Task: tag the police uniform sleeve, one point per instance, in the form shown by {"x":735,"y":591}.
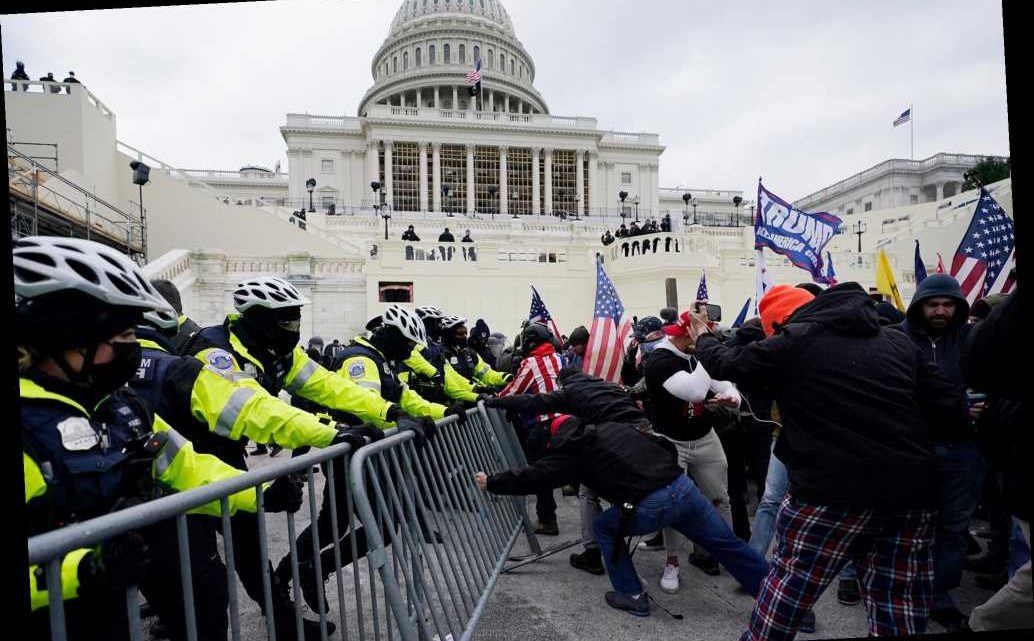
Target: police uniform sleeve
{"x":178,"y":467}
{"x":419,"y":364}
{"x":234,"y":410}
{"x":312,"y":381}
{"x":489,"y":376}
{"x":457,"y":387}
{"x":35,"y":489}
{"x":362,"y":370}
{"x":415,"y":405}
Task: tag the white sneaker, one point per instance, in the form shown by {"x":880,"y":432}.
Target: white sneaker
{"x":670,"y":580}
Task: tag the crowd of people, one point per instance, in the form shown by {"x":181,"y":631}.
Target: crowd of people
{"x":635,"y":229}
{"x":878,"y":440}
{"x":19,"y":73}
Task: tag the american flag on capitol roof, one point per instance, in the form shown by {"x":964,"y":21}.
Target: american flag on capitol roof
{"x":608,"y":334}
{"x":984,"y":262}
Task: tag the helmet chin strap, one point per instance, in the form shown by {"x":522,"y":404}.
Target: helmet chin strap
{"x":82,"y":377}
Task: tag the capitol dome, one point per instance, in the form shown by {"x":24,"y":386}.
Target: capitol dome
{"x":430,"y":48}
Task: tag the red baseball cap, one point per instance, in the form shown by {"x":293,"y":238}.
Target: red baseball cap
{"x":554,"y":426}
{"x":679,"y":327}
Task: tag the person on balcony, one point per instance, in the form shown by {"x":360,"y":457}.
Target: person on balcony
{"x":410,"y":234}
{"x":19,"y":74}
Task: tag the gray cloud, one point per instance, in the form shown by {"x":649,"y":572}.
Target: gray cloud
{"x":802,"y":93}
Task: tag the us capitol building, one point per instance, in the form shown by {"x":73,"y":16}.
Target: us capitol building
{"x":536,"y":190}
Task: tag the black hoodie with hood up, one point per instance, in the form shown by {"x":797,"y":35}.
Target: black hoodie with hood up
{"x":944,"y":349}
{"x":858,"y":402}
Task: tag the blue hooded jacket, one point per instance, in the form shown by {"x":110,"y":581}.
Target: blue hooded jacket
{"x":944,"y":349}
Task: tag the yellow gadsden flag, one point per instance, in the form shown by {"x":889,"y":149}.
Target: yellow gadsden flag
{"x":885,"y":282}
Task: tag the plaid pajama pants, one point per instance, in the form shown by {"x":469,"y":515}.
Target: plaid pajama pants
{"x":890,"y":548}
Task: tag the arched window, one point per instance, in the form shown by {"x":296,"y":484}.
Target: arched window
{"x":477,"y":52}
{"x":502,"y":63}
{"x":491,"y":59}
{"x":511,"y":66}
{"x":395,"y":64}
{"x":463,"y":54}
{"x":448,"y":53}
{"x":419,"y":60}
{"x":405,"y":60}
{"x":430,"y":55}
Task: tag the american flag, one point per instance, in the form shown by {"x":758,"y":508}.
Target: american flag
{"x":539,"y":313}
{"x":702,"y":288}
{"x":905,"y":116}
{"x":607,"y":334}
{"x":474,"y":76}
{"x":831,"y":274}
{"x":984,"y":261}
{"x":940,"y":263}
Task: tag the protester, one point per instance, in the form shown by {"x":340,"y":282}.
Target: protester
{"x":636,"y":471}
{"x":19,"y":74}
{"x":936,"y":321}
{"x":577,"y":344}
{"x":410,"y":234}
{"x":878,"y":415}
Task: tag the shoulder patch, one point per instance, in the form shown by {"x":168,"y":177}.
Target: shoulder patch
{"x":357,"y":369}
{"x":77,"y":434}
{"x":220,"y":359}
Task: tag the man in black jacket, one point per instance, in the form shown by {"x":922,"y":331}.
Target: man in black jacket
{"x":595,"y":401}
{"x":634,"y":470}
{"x":936,"y":323}
{"x":858,"y":403}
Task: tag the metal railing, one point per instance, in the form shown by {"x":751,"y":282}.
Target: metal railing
{"x":434,"y":544}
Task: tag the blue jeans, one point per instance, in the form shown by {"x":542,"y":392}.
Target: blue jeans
{"x":960,"y":478}
{"x":682,"y":506}
{"x":777,"y":483}
{"x":1019,"y":548}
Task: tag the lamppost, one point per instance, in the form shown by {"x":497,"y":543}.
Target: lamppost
{"x":446,"y":190}
{"x":622,"y":195}
{"x":736,"y":200}
{"x":492,"y":193}
{"x":141,"y":173}
{"x":310,"y":184}
{"x":859,"y":228}
{"x":686,"y":197}
{"x":379,"y":207}
{"x":514,"y":200}
{"x":635,"y":202}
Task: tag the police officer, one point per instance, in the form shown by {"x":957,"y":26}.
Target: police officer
{"x":428,"y":372}
{"x":372,"y":363}
{"x":208,"y":409}
{"x":91,"y":445}
{"x":258,"y":346}
{"x":465,"y":360}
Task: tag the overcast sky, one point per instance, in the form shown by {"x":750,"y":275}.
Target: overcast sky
{"x":802,"y":93}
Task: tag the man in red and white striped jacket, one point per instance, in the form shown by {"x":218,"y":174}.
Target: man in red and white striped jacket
{"x":537,"y":374}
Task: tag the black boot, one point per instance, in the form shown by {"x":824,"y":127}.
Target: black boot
{"x":285,"y":628}
{"x":310,"y":589}
{"x":591,"y":561}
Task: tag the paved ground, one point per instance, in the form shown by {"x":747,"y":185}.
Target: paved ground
{"x":551,"y":601}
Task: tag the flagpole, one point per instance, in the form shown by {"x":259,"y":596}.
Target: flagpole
{"x":912,"y":130}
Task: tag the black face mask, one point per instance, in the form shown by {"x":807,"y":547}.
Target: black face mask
{"x":279,"y":331}
{"x":390,"y":342}
{"x":110,"y":376}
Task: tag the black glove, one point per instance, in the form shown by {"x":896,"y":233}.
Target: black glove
{"x":357,"y":436}
{"x":424,"y":428}
{"x":284,"y":495}
{"x":458,"y":410}
{"x":118,"y":563}
{"x":485,"y":398}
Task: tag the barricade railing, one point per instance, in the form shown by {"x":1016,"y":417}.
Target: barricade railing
{"x":416,"y":547}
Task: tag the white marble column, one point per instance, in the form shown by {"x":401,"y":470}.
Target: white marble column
{"x":437,"y":102}
{"x":344,"y":178}
{"x":506,"y":103}
{"x":549,"y":181}
{"x":455,"y":98}
{"x":491,"y":100}
{"x":389,"y":192}
{"x":520,"y":106}
{"x":436,"y":179}
{"x":504,"y":207}
{"x":940,"y":191}
{"x":372,"y":162}
{"x":419,"y":99}
{"x":423,"y":176}
{"x":470,"y":179}
{"x":579,"y":180}
{"x":536,"y":207}
{"x":593,"y":181}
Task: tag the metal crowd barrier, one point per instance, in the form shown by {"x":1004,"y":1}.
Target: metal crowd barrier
{"x":436,"y":544}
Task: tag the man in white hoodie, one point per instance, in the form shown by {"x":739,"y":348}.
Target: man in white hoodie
{"x":686,"y":404}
